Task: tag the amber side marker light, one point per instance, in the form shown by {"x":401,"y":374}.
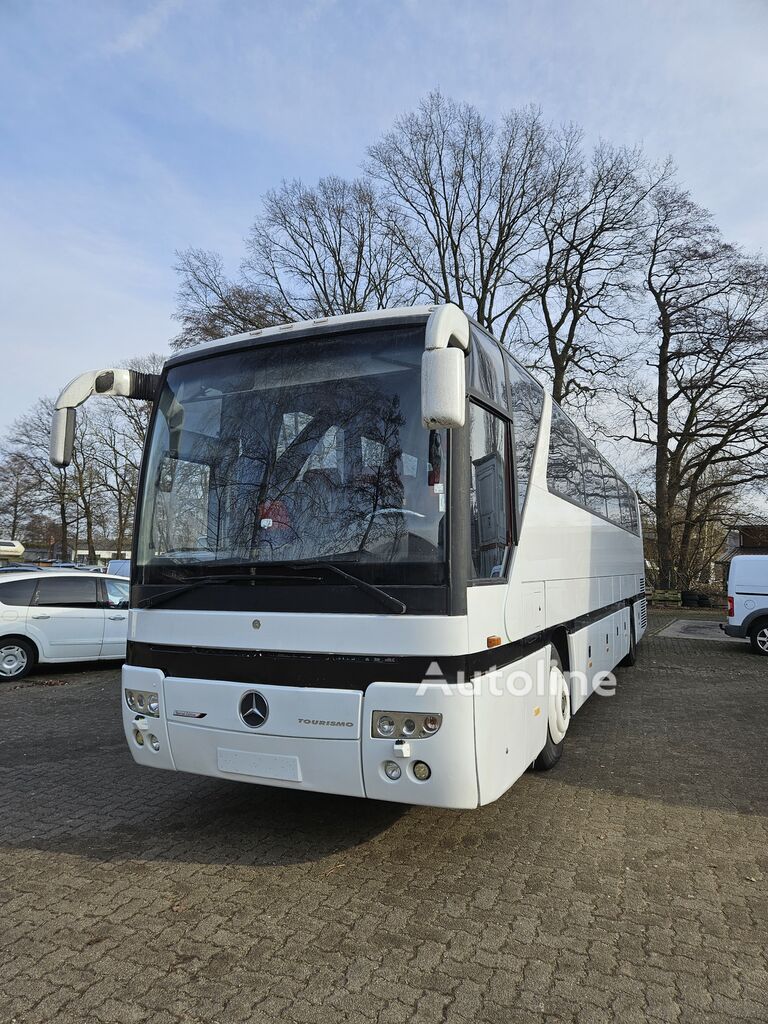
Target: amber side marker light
{"x":493,"y":641}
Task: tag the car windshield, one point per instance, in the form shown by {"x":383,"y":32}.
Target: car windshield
{"x":296,"y":451}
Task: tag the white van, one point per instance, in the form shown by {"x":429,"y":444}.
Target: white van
{"x":748,"y":600}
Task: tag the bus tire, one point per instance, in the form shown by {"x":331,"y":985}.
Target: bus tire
{"x":559,"y":716}
{"x":630,"y":657}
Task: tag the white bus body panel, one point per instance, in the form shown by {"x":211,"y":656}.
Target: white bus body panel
{"x":450,"y":753}
{"x":377,"y":635}
{"x":510,"y":722}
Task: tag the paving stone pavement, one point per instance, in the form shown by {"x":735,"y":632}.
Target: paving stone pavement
{"x":627,"y":885}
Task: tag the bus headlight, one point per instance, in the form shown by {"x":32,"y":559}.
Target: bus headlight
{"x":147,"y":702}
{"x":385,"y":726}
{"x":404,"y":724}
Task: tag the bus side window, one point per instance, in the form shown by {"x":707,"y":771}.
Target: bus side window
{"x":593,"y":479}
{"x":612,"y":494}
{"x":486,"y":368}
{"x":565,"y":475}
{"x":489,"y":522}
{"x":526,"y":401}
{"x":627,"y":506}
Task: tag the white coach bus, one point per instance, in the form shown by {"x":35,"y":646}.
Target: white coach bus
{"x":372,"y":557}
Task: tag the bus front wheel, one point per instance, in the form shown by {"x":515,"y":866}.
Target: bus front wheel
{"x":559,"y":716}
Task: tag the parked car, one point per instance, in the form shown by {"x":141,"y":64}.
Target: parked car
{"x":59,"y":616}
{"x":748,"y":600}
{"x":119,"y":567}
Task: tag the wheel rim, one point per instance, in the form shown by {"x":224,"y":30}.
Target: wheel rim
{"x":559,"y":705}
{"x":13,"y":660}
{"x":762,"y":639}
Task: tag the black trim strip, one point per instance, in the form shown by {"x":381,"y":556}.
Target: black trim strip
{"x":343,"y":671}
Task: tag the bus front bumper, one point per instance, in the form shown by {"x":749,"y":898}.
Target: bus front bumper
{"x":313,"y":739}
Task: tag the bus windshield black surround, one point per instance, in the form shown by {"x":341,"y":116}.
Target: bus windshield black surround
{"x":266,"y":456}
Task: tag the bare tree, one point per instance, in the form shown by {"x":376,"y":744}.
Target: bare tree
{"x":591,"y":228}
{"x":18,"y":487}
{"x":54,"y":492}
{"x":325,"y":251}
{"x":211,"y":306}
{"x":702,"y":406}
{"x":468,"y":194}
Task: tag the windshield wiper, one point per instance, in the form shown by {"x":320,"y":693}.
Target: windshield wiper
{"x":370,"y":588}
{"x":202,"y":581}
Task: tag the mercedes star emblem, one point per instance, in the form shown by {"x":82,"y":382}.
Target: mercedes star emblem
{"x":254,"y":709}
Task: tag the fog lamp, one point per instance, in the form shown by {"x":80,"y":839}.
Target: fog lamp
{"x":421,"y":771}
{"x":138,"y":737}
{"x":392,"y":770}
{"x":154,"y":742}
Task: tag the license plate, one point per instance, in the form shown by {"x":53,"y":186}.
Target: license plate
{"x":261,"y":766}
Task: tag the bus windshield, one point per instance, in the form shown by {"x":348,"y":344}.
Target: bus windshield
{"x":293,"y":452}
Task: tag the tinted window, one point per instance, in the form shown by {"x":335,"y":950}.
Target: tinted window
{"x":67,"y":591}
{"x":594,"y":488}
{"x":18,"y":593}
{"x":612,"y":494}
{"x":564,"y":472}
{"x":304,"y":450}
{"x":486,"y":367}
{"x":117,"y":593}
{"x":526,"y":400}
{"x":628,"y":508}
{"x":487,"y":493}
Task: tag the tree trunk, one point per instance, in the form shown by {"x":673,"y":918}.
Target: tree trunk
{"x":663,"y":502}
{"x":64,"y":524}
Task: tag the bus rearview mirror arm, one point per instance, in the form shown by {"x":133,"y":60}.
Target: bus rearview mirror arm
{"x":443,"y":383}
{"x":140,"y":387}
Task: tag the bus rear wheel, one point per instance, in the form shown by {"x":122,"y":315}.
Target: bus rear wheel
{"x":558,"y":719}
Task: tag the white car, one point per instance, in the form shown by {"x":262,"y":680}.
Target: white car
{"x":58,"y":616}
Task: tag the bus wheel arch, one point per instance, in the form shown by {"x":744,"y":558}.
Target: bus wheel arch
{"x":560,"y":650}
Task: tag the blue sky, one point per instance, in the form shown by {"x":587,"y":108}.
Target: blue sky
{"x":131,"y":129}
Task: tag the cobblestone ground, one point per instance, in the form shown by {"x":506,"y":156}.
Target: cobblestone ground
{"x":629,"y":884}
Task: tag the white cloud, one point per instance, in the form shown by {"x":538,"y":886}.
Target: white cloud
{"x":143,"y":29}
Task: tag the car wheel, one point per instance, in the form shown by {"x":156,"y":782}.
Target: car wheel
{"x":17,"y":657}
{"x":758,"y":636}
{"x":559,"y":716}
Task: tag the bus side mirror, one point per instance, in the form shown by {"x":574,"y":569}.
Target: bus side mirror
{"x":443,"y":388}
{"x":62,"y":437}
{"x":443,"y":385}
